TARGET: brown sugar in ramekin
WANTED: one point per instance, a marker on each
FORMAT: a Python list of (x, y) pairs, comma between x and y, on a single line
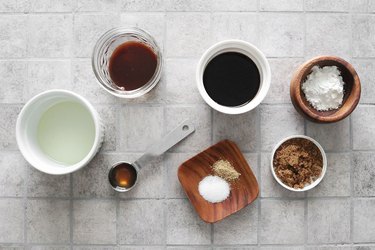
[(298, 162)]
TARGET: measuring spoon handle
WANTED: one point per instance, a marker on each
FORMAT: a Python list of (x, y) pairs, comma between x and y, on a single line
[(168, 141)]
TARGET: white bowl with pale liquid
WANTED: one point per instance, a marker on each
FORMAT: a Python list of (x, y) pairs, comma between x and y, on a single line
[(58, 132)]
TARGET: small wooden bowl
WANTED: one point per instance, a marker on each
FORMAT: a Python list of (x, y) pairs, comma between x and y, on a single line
[(243, 192), (352, 90)]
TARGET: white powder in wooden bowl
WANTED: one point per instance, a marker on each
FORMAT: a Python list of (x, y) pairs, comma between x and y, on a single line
[(214, 189), (324, 88)]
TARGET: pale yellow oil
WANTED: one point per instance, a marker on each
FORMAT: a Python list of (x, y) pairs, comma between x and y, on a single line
[(66, 132)]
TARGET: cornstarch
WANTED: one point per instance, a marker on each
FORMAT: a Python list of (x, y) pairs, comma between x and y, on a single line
[(324, 88)]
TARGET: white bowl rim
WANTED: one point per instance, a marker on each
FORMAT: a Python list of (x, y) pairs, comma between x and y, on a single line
[(67, 169), (317, 181), (251, 49)]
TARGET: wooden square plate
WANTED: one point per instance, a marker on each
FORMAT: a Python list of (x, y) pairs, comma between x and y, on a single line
[(244, 191)]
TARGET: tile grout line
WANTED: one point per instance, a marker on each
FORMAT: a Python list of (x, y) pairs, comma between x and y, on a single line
[(212, 114), (351, 219), (173, 12), (114, 198), (259, 163), (71, 219), (117, 220), (25, 203), (71, 216), (165, 173), (28, 169), (306, 198), (258, 150)]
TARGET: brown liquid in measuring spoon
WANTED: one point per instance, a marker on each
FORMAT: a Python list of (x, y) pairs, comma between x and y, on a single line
[(123, 175), (132, 65)]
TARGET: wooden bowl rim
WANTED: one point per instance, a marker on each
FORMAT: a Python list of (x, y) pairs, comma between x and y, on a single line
[(296, 82)]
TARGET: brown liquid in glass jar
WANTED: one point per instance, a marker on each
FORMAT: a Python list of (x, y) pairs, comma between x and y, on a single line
[(123, 175), (132, 65)]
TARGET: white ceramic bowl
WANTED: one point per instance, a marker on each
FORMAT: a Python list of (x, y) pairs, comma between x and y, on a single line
[(244, 48), (26, 131), (317, 181)]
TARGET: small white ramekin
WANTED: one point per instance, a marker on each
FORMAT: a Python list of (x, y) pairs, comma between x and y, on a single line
[(244, 48), (317, 181), (27, 124)]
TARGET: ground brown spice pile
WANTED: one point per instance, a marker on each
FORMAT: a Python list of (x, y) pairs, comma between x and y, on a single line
[(298, 162), (225, 170)]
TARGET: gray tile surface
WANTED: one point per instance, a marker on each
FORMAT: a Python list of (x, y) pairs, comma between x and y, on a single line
[(12, 220), (282, 222), (363, 174), (363, 216), (332, 137), (328, 221), (48, 221), (240, 5), (281, 35), (43, 185), (244, 26), (366, 70), (180, 74), (338, 43), (327, 6), (13, 74), (184, 226), (13, 40), (135, 133), (96, 5), (142, 5), (87, 28), (363, 128), (282, 70), (54, 36), (13, 174), (243, 227), (48, 247), (7, 126), (94, 222), (51, 6), (147, 220), (363, 35), (193, 41), (46, 75), (248, 139), (363, 6), (46, 44), (278, 122), (283, 5)]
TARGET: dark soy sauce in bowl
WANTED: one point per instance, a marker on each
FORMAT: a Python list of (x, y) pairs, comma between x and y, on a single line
[(231, 79)]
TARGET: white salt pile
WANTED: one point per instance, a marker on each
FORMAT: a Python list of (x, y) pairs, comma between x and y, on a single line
[(214, 189), (324, 88)]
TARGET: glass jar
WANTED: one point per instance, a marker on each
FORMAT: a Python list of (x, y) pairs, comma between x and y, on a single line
[(103, 50)]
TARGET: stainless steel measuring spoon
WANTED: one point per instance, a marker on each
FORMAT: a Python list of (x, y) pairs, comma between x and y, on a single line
[(123, 176)]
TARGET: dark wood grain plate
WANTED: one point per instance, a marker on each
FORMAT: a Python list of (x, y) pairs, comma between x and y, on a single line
[(243, 192)]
